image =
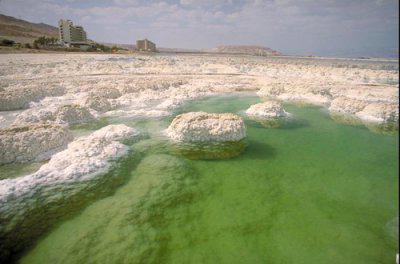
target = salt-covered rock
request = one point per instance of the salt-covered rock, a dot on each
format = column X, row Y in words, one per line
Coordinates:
column 267, row 110
column 106, row 92
column 21, row 144
column 346, row 105
column 74, row 114
column 311, row 93
column 19, row 97
column 206, row 127
column 98, row 103
column 271, row 90
column 64, row 114
column 379, row 113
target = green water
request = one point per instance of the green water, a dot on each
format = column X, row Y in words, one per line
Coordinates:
column 312, row 191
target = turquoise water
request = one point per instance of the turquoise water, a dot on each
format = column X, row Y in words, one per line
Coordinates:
column 310, row 191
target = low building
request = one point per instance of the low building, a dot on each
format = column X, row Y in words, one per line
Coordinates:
column 71, row 35
column 145, row 45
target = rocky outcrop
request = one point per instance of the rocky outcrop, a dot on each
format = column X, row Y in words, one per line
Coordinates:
column 267, row 110
column 205, row 127
column 21, row 144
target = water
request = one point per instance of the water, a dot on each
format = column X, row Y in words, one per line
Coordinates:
column 311, row 191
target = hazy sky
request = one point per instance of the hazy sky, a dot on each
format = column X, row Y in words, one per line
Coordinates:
column 320, row 27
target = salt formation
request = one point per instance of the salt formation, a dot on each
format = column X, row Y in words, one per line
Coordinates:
column 21, row 144
column 69, row 173
column 64, row 114
column 297, row 92
column 379, row 113
column 19, row 97
column 267, row 110
column 205, row 127
column 379, row 101
column 106, row 92
column 122, row 86
column 161, row 181
column 98, row 103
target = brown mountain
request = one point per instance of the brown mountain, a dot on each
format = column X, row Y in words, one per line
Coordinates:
column 23, row 31
column 244, row 49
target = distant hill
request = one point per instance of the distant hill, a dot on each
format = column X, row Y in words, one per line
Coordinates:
column 124, row 46
column 161, row 49
column 24, row 31
column 243, row 49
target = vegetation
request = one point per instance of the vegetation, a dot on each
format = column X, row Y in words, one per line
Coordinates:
column 7, row 42
column 51, row 43
column 45, row 41
column 101, row 47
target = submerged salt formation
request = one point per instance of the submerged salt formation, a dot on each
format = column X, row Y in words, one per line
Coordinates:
column 267, row 110
column 205, row 127
column 20, row 144
column 161, row 181
column 70, row 173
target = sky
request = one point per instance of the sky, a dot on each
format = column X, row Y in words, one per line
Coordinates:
column 343, row 28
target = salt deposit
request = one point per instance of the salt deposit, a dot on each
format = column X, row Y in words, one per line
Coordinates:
column 20, row 144
column 64, row 114
column 126, row 86
column 205, row 127
column 267, row 110
column 69, row 173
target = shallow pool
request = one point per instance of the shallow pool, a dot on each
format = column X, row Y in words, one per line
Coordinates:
column 310, row 191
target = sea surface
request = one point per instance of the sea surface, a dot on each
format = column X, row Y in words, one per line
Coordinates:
column 307, row 190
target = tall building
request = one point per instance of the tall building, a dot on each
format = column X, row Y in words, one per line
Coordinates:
column 70, row 34
column 145, row 45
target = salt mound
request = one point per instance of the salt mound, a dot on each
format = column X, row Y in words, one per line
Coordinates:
column 346, row 105
column 106, row 92
column 98, row 103
column 380, row 113
column 19, row 98
column 267, row 110
column 74, row 114
column 66, row 114
column 32, row 143
column 297, row 92
column 205, row 127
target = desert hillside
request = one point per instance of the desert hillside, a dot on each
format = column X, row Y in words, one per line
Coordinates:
column 24, row 31
column 244, row 49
